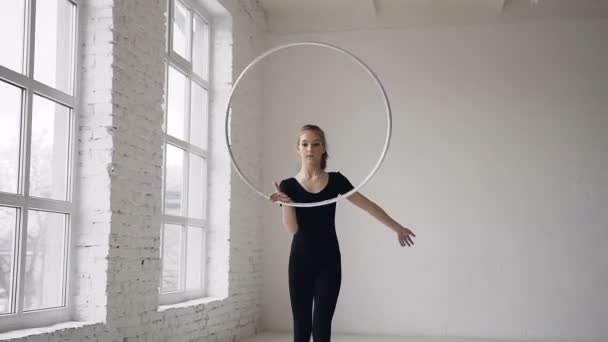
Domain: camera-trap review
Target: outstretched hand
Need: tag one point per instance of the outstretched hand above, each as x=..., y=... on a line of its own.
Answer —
x=404, y=236
x=278, y=195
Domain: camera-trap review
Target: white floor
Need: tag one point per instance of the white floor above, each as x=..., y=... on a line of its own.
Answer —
x=280, y=337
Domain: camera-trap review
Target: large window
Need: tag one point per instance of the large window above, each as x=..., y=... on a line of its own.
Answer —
x=185, y=156
x=37, y=102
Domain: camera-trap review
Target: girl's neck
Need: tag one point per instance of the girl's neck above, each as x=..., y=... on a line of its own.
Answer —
x=308, y=172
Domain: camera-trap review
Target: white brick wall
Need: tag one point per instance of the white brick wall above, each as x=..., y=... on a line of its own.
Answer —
x=117, y=240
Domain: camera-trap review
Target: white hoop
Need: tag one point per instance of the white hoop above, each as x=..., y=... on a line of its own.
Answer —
x=369, y=71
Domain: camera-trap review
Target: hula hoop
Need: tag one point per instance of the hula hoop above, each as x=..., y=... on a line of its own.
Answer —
x=387, y=105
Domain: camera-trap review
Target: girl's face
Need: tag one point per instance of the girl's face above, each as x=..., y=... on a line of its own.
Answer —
x=310, y=147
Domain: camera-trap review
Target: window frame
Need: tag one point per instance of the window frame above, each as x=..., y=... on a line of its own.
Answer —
x=185, y=67
x=22, y=200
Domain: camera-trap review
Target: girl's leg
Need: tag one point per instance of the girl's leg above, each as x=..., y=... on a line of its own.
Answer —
x=327, y=288
x=301, y=290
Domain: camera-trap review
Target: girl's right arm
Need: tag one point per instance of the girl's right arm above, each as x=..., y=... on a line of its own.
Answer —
x=290, y=221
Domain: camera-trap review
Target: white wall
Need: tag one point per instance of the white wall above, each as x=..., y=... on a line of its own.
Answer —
x=497, y=163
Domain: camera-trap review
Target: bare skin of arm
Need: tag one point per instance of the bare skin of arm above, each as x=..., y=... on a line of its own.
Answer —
x=290, y=221
x=404, y=235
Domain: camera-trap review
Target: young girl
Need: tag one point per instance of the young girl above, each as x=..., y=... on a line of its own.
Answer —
x=314, y=261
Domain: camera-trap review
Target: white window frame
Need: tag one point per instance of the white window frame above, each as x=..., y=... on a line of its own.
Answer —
x=22, y=200
x=185, y=67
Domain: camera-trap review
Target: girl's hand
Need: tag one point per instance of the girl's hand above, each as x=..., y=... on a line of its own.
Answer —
x=278, y=195
x=403, y=235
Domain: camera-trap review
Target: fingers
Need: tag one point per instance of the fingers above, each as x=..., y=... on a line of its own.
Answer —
x=405, y=239
x=284, y=198
x=279, y=196
x=273, y=197
x=280, y=199
x=410, y=239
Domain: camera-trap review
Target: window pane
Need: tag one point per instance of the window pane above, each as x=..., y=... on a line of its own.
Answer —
x=181, y=30
x=10, y=116
x=8, y=224
x=172, y=258
x=50, y=146
x=54, y=36
x=198, y=116
x=197, y=187
x=194, y=259
x=45, y=260
x=12, y=29
x=200, y=51
x=176, y=103
x=174, y=181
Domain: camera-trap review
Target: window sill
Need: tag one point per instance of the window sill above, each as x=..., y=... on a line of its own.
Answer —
x=189, y=303
x=26, y=332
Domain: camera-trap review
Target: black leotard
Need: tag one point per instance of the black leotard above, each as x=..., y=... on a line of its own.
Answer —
x=315, y=271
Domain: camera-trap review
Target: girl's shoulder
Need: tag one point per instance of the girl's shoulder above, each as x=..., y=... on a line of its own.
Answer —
x=286, y=183
x=335, y=173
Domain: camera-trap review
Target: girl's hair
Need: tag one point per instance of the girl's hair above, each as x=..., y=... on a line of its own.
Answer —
x=321, y=134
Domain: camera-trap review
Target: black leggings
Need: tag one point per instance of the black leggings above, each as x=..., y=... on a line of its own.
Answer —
x=318, y=278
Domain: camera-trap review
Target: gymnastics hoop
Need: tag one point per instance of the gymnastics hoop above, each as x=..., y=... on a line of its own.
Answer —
x=387, y=105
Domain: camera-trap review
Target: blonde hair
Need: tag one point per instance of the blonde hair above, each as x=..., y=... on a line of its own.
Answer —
x=321, y=134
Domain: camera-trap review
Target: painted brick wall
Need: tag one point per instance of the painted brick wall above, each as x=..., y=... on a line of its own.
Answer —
x=117, y=231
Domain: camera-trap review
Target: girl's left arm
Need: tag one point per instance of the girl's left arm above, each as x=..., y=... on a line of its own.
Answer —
x=376, y=211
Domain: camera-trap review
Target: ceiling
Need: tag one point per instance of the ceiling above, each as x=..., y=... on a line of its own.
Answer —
x=293, y=16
